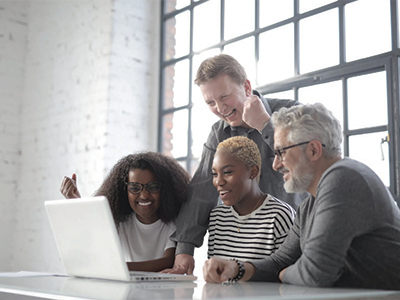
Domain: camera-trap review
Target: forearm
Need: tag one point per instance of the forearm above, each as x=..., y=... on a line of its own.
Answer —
x=268, y=269
x=154, y=265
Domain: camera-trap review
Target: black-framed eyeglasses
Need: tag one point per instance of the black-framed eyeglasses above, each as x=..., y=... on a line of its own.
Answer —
x=281, y=151
x=137, y=188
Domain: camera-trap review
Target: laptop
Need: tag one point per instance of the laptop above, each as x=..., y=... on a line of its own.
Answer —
x=88, y=242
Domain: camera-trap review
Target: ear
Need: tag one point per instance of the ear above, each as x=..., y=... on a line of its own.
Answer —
x=247, y=88
x=254, y=170
x=315, y=150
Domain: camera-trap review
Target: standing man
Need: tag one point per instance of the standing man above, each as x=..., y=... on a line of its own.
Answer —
x=346, y=233
x=228, y=94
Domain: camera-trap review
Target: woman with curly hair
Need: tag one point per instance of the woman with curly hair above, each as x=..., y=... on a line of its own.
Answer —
x=145, y=192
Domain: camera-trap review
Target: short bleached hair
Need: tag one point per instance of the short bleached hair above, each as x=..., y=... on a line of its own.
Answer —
x=243, y=149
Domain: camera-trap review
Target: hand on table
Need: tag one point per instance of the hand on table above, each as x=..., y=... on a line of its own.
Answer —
x=184, y=264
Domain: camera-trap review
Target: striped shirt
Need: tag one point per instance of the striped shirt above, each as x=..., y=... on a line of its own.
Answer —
x=252, y=236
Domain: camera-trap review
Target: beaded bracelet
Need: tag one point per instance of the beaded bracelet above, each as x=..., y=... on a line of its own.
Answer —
x=240, y=273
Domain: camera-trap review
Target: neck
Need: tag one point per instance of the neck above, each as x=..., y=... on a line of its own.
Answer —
x=251, y=203
x=321, y=168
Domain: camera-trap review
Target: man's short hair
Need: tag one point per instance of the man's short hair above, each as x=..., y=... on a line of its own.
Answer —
x=310, y=122
x=220, y=64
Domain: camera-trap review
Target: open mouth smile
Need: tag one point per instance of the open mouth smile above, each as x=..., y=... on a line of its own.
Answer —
x=143, y=203
x=230, y=114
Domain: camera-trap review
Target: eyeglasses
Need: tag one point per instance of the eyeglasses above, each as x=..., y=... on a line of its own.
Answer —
x=137, y=188
x=281, y=151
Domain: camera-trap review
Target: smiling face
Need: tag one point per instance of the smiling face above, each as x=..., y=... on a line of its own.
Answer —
x=233, y=180
x=225, y=98
x=144, y=204
x=294, y=165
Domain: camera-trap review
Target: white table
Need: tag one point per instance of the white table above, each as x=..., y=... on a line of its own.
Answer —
x=56, y=287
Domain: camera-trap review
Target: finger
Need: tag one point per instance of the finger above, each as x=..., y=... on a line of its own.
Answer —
x=177, y=270
x=166, y=270
x=63, y=182
x=206, y=272
x=226, y=275
x=64, y=185
x=74, y=178
x=190, y=269
x=210, y=272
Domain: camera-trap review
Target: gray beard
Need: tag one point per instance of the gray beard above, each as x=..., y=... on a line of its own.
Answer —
x=298, y=184
x=301, y=180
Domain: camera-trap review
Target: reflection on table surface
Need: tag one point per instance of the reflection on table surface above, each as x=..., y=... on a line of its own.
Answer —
x=55, y=287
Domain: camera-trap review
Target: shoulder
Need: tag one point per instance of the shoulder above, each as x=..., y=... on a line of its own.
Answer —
x=346, y=172
x=277, y=104
x=279, y=208
x=350, y=184
x=220, y=131
x=220, y=209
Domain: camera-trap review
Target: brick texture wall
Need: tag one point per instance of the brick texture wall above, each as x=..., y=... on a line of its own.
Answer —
x=83, y=94
x=12, y=55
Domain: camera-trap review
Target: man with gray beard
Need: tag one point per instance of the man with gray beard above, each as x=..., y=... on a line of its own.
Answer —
x=347, y=233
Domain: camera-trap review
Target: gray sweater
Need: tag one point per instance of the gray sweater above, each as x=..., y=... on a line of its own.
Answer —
x=348, y=235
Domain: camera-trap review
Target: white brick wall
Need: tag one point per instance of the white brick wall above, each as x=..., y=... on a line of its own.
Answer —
x=89, y=84
x=12, y=54
x=132, y=111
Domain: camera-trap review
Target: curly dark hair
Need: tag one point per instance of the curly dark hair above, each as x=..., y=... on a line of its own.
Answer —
x=173, y=178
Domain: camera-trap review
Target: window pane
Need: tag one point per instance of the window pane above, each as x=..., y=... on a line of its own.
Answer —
x=198, y=59
x=177, y=36
x=319, y=41
x=176, y=85
x=235, y=10
x=329, y=94
x=276, y=60
x=272, y=11
x=175, y=5
x=306, y=5
x=369, y=149
x=206, y=28
x=175, y=133
x=282, y=95
x=243, y=51
x=367, y=28
x=367, y=100
x=398, y=23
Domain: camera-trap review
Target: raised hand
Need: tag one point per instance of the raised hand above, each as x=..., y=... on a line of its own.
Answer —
x=69, y=187
x=254, y=113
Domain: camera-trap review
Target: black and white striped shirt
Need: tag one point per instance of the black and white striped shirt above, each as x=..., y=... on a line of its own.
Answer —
x=253, y=236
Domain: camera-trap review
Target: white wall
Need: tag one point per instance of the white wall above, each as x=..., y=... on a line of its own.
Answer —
x=87, y=79
x=12, y=55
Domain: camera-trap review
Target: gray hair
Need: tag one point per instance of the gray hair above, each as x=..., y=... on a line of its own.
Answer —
x=309, y=122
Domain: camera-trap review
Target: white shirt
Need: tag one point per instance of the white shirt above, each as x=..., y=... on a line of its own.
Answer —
x=141, y=242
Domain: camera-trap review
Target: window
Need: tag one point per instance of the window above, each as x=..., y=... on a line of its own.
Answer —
x=309, y=50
